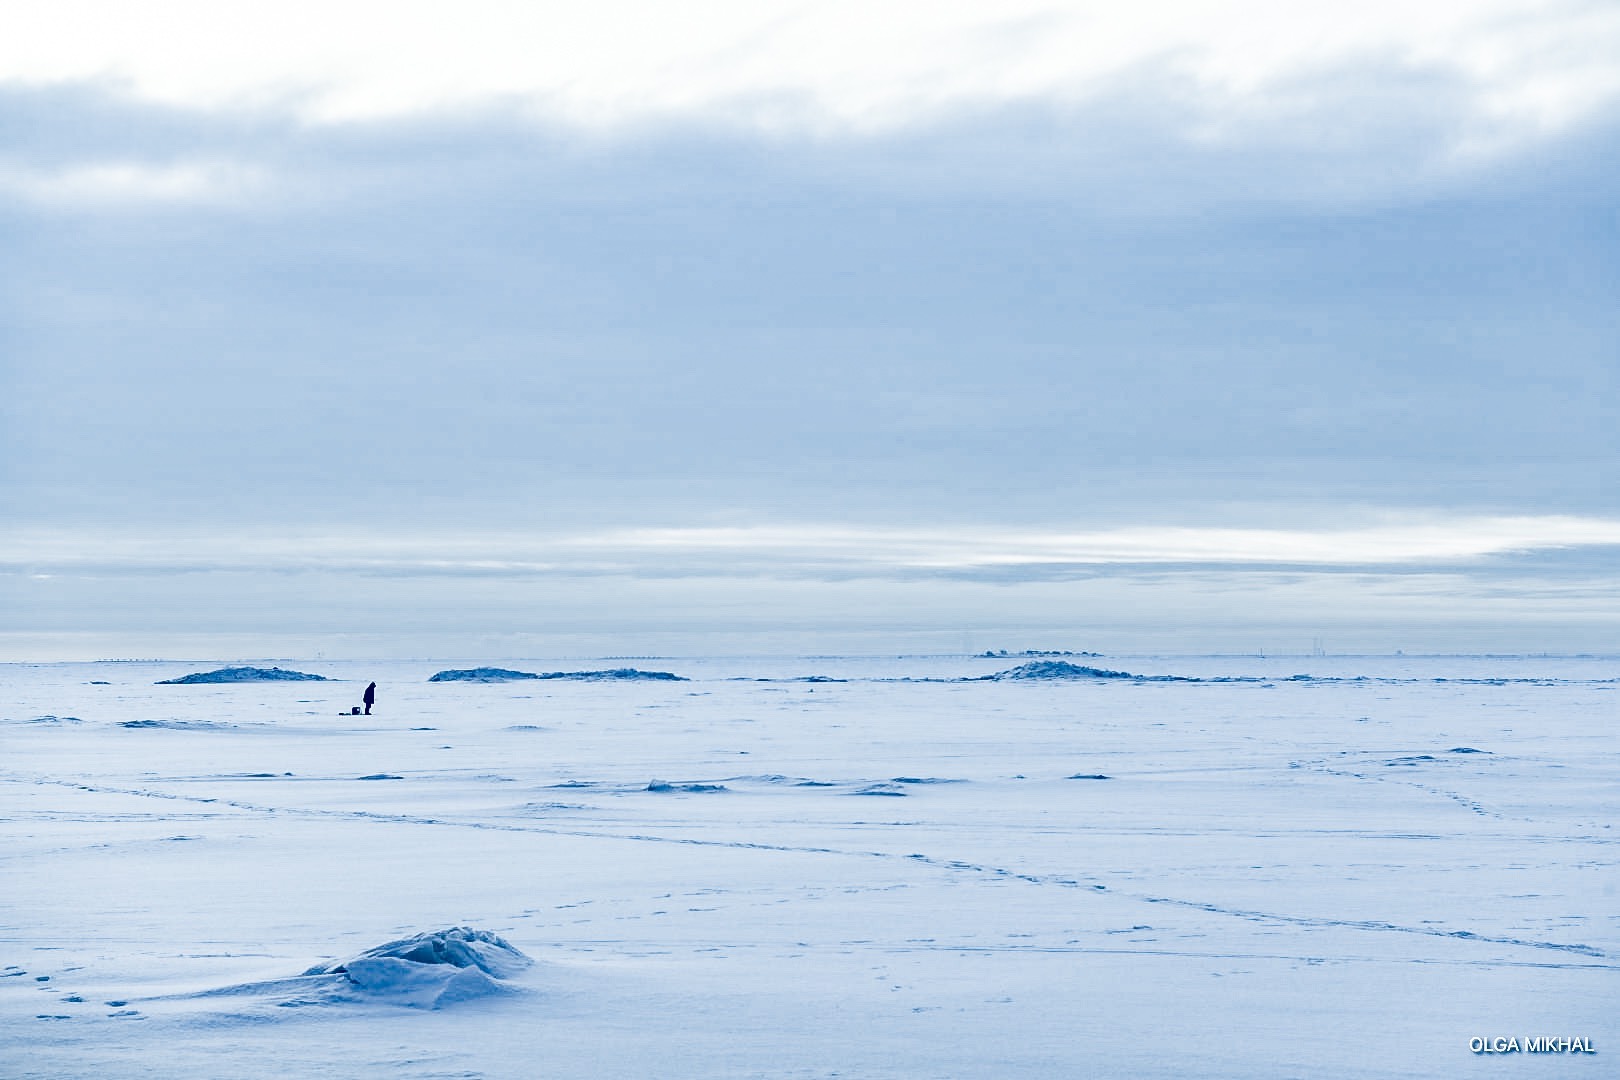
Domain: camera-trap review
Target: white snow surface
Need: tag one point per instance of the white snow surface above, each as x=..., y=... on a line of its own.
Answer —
x=756, y=874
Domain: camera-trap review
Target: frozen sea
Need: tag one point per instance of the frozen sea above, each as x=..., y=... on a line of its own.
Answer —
x=1265, y=867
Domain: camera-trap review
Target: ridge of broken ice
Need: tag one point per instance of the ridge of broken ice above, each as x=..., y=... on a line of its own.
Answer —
x=481, y=674
x=243, y=674
x=493, y=674
x=1057, y=669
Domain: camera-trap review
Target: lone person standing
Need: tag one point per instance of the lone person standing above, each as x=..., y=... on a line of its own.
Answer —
x=370, y=697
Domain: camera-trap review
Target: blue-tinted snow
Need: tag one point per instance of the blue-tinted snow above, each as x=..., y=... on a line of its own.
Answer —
x=1209, y=868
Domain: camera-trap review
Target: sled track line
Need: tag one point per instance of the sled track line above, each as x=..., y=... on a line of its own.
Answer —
x=1061, y=881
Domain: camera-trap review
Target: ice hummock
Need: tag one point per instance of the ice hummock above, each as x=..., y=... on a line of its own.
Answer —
x=243, y=674
x=481, y=674
x=493, y=674
x=430, y=970
x=1057, y=669
x=457, y=947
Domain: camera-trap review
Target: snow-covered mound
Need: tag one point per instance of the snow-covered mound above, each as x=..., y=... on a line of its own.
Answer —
x=482, y=674
x=615, y=673
x=244, y=674
x=663, y=786
x=1056, y=669
x=488, y=674
x=430, y=970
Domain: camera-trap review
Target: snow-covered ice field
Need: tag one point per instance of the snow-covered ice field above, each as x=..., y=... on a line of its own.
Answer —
x=751, y=874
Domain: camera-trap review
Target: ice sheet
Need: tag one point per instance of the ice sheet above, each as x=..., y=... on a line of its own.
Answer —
x=815, y=867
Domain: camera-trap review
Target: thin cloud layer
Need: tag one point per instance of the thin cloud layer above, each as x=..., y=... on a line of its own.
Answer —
x=791, y=551
x=113, y=184
x=945, y=549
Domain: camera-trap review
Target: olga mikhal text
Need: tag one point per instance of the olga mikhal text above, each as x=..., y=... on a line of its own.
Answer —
x=1532, y=1044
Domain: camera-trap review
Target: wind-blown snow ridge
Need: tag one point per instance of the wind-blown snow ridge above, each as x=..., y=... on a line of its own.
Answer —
x=489, y=674
x=243, y=674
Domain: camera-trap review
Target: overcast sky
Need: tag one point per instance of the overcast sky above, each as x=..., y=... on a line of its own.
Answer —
x=511, y=328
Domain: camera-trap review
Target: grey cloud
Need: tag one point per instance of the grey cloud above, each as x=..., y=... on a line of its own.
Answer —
x=1026, y=315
